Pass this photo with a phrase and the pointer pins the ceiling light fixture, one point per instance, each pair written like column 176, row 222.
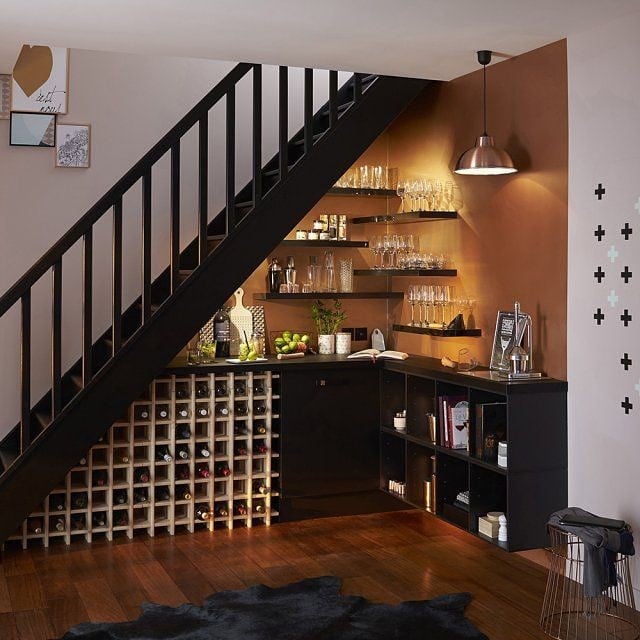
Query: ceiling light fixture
column 484, row 159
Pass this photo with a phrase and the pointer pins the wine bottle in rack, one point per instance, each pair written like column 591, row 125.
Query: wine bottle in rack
column 182, row 412
column 259, row 486
column 122, row 457
column 120, row 496
column 221, row 389
column 240, row 429
column 78, row 523
column 162, row 453
column 183, row 432
column 182, row 472
column 202, row 450
column 240, row 408
column 162, row 494
column 182, row 392
column 221, row 511
column 203, row 513
column 222, row 410
column 202, row 471
column 240, row 509
column 59, row 524
column 120, row 518
column 100, row 478
column 240, row 450
column 260, row 448
column 140, row 495
column 259, row 506
column 202, row 390
column 141, row 474
column 35, row 526
column 259, row 407
column 99, row 520
column 222, row 470
column 202, row 411
column 183, row 493
column 79, row 500
column 162, row 412
column 240, row 388
column 142, row 413
column 259, row 428
column 182, row 452
column 82, row 462
column 258, row 387
column 57, row 502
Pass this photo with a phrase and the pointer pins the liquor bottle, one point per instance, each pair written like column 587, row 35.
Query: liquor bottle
column 182, row 472
column 140, row 495
column 183, row 432
column 203, row 513
column 162, row 453
column 123, row 457
column 259, row 506
column 100, row 478
column 35, row 526
column 260, row 448
column 99, row 520
column 222, row 410
column 202, row 450
column 78, row 523
column 142, row 413
column 120, row 518
column 202, row 411
column 182, row 452
column 57, row 502
column 259, row 407
column 183, row 411
column 240, row 429
column 202, row 470
column 79, row 500
column 240, row 408
column 183, row 493
column 120, row 496
column 258, row 388
column 222, row 333
column 240, row 388
column 260, row 487
column 162, row 412
column 222, row 470
column 274, row 276
column 221, row 389
column 162, row 494
column 260, row 428
column 202, row 390
column 240, row 509
column 221, row 511
column 182, row 393
column 59, row 524
column 141, row 474
column 240, row 450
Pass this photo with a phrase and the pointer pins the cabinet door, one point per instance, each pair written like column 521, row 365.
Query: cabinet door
column 330, row 431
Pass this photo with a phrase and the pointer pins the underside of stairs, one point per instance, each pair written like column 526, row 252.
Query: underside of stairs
column 116, row 367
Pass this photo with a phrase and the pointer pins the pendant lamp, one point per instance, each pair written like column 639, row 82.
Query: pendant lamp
column 484, row 159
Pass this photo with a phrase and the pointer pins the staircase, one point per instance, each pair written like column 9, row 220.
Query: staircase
column 115, row 368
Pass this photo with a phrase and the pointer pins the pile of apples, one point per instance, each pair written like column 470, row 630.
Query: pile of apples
column 290, row 342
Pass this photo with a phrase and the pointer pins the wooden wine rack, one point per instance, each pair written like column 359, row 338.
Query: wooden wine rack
column 134, row 439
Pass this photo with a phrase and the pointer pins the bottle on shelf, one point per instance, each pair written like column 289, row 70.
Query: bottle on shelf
column 202, row 411
column 122, row 457
column 240, row 388
column 260, row 448
column 162, row 494
column 222, row 410
column 259, row 407
column 259, row 506
column 222, row 333
column 78, row 523
column 82, row 462
column 241, row 409
column 162, row 412
column 240, row 429
column 222, row 470
column 120, row 518
column 182, row 411
column 183, row 493
column 202, row 390
column 100, row 478
column 274, row 276
column 260, row 428
column 57, row 502
column 79, row 500
column 59, row 524
column 35, row 526
column 183, row 432
column 141, row 474
column 162, row 453
column 140, row 495
column 182, row 472
column 182, row 452
column 258, row 387
column 182, row 392
column 221, row 511
column 203, row 513
column 221, row 389
column 99, row 520
column 240, row 509
column 240, row 450
column 142, row 413
column 202, row 450
column 202, row 470
column 120, row 496
column 259, row 486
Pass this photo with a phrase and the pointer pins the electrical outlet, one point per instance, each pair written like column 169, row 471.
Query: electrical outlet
column 360, row 334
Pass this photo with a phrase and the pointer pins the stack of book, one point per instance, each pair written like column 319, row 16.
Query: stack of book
column 454, row 421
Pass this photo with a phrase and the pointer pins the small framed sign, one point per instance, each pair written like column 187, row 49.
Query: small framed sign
column 506, row 337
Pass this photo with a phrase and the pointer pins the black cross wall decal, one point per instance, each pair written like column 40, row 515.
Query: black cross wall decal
column 599, row 232
column 598, row 316
column 626, row 317
column 626, row 405
column 600, row 191
column 626, row 231
column 626, row 361
column 626, row 275
column 599, row 274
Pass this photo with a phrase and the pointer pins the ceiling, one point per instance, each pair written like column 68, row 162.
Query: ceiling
column 422, row 38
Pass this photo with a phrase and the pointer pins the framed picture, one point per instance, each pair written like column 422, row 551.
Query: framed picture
column 73, row 144
column 5, row 96
column 506, row 337
column 32, row 129
column 40, row 80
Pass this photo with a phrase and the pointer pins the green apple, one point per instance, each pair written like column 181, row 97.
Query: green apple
column 296, row 337
column 305, row 338
column 286, row 348
column 252, row 355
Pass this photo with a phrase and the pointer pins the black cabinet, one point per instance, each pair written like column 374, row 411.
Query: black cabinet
column 330, row 441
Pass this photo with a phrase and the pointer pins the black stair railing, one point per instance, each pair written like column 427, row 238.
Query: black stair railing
column 112, row 202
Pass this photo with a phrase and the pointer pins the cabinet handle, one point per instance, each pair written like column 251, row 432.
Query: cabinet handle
column 323, row 382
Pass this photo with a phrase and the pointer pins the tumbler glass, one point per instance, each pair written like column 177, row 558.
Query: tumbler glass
column 345, row 270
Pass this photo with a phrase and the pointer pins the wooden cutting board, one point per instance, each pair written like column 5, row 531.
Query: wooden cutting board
column 241, row 322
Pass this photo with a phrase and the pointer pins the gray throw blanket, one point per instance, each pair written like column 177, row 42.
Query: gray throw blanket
column 600, row 548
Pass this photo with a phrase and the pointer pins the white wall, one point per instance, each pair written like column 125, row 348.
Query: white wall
column 130, row 102
column 604, row 139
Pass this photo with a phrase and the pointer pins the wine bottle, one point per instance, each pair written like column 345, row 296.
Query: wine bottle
column 202, row 390
column 260, row 448
column 258, row 388
column 120, row 496
column 240, row 450
column 99, row 520
column 142, row 413
column 260, row 487
column 260, row 407
column 182, row 393
column 79, row 500
column 260, row 428
column 202, row 411
column 221, row 511
column 120, row 518
column 241, row 509
column 202, row 470
column 222, row 333
column 57, row 502
column 182, row 472
column 222, row 409
column 221, row 390
column 203, row 513
column 82, row 462
column 240, row 388
column 183, row 411
column 78, row 523
column 162, row 412
column 162, row 453
column 35, row 526
column 162, row 494
column 100, row 478
column 59, row 524
column 259, row 506
column 141, row 474
column 222, row 470
column 183, row 493
column 140, row 495
column 182, row 452
column 183, row 432
column 241, row 409
column 202, row 450
column 240, row 429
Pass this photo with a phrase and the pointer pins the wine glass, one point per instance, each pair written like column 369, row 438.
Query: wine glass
column 374, row 245
column 412, row 295
column 400, row 192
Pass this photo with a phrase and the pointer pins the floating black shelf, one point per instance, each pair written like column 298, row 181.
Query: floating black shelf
column 442, row 333
column 328, row 296
column 371, row 193
column 405, row 272
column 411, row 216
column 326, row 243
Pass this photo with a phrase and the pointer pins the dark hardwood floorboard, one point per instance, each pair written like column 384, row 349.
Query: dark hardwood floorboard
column 387, row 557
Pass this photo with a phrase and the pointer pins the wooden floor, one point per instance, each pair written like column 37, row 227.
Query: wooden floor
column 388, row 557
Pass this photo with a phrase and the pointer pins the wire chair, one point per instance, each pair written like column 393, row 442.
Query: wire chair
column 567, row 614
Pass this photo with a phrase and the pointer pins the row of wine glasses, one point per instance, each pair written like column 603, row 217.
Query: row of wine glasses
column 395, row 251
column 436, row 305
column 370, row 177
column 428, row 194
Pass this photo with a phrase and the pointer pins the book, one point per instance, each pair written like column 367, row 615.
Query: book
column 453, row 414
column 490, row 428
column 374, row 354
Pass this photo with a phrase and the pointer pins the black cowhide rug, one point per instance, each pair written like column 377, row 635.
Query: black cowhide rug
column 308, row 610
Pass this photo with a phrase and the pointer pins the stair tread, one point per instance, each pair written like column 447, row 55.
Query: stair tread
column 340, row 108
column 244, row 205
column 300, row 142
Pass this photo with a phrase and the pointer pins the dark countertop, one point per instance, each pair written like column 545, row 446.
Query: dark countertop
column 480, row 378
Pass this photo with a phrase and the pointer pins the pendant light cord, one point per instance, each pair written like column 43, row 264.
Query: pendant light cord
column 484, row 98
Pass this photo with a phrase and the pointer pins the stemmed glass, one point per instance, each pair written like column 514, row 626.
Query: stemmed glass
column 400, row 192
column 414, row 297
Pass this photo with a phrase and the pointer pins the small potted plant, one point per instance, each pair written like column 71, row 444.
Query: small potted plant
column 327, row 321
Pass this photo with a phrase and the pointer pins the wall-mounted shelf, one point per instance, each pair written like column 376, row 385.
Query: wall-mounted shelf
column 442, row 333
column 371, row 193
column 326, row 243
column 406, row 272
column 329, row 296
column 411, row 216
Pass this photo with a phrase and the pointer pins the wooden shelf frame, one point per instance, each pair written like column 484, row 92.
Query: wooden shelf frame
column 405, row 218
column 392, row 273
column 323, row 244
column 355, row 295
column 440, row 333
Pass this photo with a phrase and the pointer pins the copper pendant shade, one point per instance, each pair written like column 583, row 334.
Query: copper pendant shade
column 484, row 159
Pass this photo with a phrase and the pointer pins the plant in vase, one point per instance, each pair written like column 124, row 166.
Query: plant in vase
column 327, row 321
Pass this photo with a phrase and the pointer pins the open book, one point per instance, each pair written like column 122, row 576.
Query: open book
column 374, row 354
